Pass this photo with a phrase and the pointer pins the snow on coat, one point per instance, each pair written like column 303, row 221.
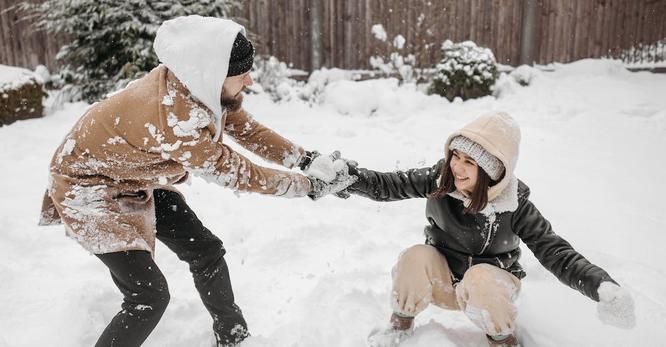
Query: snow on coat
column 151, row 135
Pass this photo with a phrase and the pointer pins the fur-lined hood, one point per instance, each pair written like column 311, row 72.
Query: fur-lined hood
column 498, row 134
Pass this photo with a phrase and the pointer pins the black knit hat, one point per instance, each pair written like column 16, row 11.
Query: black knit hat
column 242, row 56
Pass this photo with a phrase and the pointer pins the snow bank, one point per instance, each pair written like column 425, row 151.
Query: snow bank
column 318, row 273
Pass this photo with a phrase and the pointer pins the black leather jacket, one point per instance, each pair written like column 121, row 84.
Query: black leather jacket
column 466, row 239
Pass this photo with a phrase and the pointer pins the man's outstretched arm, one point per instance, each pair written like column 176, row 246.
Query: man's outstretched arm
column 262, row 141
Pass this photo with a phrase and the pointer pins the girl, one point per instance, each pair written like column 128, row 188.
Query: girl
column 478, row 212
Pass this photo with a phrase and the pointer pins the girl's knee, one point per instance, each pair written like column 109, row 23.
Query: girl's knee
column 420, row 254
column 483, row 273
column 490, row 276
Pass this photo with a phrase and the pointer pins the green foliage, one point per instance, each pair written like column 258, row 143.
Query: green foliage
column 466, row 71
column 111, row 41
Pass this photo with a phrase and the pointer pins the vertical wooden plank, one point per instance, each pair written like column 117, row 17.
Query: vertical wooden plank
column 615, row 27
column 473, row 17
column 553, row 32
column 490, row 7
column 544, row 31
column 606, row 32
column 332, row 33
column 504, row 14
column 593, row 22
column 627, row 23
column 568, row 36
column 576, row 33
column 638, row 39
column 563, row 26
column 542, row 40
column 601, row 28
column 367, row 35
column 514, row 57
column 586, row 30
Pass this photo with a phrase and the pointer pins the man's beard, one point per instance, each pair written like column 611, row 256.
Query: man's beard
column 231, row 103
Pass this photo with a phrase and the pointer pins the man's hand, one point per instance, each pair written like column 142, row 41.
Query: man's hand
column 616, row 306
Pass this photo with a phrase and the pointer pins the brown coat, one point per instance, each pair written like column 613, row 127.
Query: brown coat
column 151, row 135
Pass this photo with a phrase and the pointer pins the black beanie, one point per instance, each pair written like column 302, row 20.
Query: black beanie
column 242, row 56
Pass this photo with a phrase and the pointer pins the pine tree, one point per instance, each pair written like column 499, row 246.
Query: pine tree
column 111, row 40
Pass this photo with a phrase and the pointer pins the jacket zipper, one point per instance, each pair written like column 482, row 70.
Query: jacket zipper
column 490, row 234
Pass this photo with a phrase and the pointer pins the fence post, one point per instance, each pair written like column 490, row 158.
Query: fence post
column 316, row 14
column 528, row 31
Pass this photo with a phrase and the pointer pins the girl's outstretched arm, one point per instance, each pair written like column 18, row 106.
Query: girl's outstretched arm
column 554, row 252
column 398, row 185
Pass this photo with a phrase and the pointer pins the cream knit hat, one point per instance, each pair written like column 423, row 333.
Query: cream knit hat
column 488, row 162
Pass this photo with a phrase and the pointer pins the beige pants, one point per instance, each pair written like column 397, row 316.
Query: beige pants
column 486, row 293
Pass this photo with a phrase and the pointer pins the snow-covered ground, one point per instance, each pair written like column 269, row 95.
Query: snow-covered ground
column 317, row 273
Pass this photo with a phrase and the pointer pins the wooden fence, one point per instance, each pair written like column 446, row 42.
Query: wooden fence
column 517, row 31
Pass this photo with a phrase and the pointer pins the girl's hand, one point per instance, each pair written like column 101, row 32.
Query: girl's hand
column 322, row 167
column 616, row 306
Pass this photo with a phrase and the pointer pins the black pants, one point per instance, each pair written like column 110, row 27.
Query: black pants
column 145, row 290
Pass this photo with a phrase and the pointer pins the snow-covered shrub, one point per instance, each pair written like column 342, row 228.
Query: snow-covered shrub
column 644, row 54
column 21, row 94
column 509, row 82
column 111, row 41
column 466, row 71
column 396, row 62
column 524, row 74
column 314, row 89
column 273, row 77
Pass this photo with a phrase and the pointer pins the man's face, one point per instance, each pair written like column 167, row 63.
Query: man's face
column 234, row 85
column 231, row 97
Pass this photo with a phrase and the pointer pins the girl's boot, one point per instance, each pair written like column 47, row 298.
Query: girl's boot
column 400, row 327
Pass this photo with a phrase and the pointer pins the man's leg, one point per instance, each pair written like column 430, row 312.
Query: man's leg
column 146, row 296
column 180, row 230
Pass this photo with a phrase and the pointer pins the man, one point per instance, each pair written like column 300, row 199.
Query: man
column 112, row 178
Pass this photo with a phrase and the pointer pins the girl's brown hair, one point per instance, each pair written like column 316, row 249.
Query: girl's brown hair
column 479, row 196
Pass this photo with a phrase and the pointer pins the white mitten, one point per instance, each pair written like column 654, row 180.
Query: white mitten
column 616, row 306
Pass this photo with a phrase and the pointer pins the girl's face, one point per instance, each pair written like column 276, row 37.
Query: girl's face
column 465, row 172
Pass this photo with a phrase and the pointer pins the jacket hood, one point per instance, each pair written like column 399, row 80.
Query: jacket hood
column 197, row 50
column 498, row 134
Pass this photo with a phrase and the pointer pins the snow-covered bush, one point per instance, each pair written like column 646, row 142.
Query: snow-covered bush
column 644, row 54
column 396, row 62
column 313, row 91
column 524, row 74
column 466, row 71
column 111, row 41
column 274, row 77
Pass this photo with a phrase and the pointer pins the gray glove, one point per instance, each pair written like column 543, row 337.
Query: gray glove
column 341, row 181
column 352, row 170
